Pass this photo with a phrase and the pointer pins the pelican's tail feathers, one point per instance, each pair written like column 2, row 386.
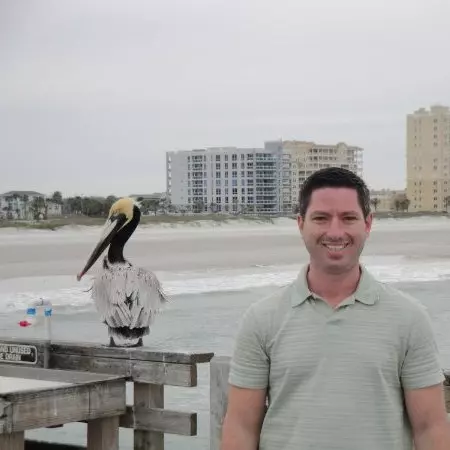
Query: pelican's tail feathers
column 127, row 337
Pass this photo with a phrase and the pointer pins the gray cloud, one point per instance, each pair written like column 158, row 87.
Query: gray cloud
column 93, row 93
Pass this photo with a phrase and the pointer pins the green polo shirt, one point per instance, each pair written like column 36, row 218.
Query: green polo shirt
column 335, row 376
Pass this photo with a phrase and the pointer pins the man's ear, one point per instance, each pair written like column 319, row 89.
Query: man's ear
column 369, row 221
column 300, row 223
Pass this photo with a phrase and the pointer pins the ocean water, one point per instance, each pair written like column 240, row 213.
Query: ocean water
column 212, row 274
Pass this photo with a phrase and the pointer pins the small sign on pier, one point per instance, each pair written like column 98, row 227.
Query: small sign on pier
column 18, row 353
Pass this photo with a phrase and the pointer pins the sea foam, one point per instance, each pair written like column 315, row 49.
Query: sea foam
column 64, row 291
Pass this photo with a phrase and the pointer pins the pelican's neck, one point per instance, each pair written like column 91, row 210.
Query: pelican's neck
column 115, row 252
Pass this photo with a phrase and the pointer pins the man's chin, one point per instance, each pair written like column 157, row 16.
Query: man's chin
column 337, row 264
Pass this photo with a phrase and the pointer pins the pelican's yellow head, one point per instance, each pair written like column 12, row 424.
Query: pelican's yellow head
column 121, row 213
column 124, row 206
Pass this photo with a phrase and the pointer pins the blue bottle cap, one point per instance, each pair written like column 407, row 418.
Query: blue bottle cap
column 31, row 311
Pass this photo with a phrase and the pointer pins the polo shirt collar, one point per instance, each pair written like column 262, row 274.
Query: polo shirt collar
column 366, row 291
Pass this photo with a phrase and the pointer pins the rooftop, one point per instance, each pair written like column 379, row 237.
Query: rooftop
column 434, row 109
column 21, row 193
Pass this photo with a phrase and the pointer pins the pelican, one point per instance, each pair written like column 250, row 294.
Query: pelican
column 127, row 297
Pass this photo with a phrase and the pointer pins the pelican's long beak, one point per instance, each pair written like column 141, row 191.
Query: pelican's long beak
column 111, row 228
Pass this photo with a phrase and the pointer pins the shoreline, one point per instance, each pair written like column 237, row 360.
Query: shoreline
column 84, row 221
column 193, row 220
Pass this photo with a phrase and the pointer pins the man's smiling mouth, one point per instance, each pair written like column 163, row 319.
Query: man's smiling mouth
column 336, row 247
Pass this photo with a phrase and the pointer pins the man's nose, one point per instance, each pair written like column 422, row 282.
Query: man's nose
column 335, row 228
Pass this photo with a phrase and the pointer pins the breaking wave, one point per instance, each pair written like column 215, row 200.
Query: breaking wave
column 65, row 292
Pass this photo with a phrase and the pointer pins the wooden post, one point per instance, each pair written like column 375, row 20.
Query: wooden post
column 148, row 396
column 219, row 370
column 447, row 390
column 103, row 434
column 12, row 441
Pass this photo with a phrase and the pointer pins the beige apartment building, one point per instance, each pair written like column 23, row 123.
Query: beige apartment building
column 428, row 158
column 302, row 158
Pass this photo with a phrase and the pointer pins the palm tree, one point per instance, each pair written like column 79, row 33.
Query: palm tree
column 405, row 204
column 39, row 206
column 213, row 207
column 25, row 200
column 374, row 202
column 198, row 206
column 401, row 203
column 57, row 198
column 447, row 202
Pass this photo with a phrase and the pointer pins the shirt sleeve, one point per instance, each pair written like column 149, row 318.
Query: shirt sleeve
column 249, row 366
column 421, row 366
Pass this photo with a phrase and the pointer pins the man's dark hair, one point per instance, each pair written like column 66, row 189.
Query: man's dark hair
column 334, row 177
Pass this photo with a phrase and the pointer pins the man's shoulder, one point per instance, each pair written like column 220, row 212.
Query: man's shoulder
column 275, row 304
column 399, row 297
column 396, row 300
column 263, row 317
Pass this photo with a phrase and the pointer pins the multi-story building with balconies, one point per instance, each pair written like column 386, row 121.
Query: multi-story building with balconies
column 224, row 179
column 428, row 159
column 261, row 180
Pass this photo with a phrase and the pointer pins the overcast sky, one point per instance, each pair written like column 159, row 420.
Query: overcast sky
column 93, row 93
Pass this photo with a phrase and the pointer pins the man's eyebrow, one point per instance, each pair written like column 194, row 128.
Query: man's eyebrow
column 325, row 213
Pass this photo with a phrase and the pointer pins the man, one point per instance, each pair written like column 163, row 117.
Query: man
column 345, row 361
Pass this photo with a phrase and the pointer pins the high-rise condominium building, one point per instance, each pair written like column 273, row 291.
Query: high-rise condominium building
column 300, row 159
column 226, row 179
column 261, row 180
column 428, row 158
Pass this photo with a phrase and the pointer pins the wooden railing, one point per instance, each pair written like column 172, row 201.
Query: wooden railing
column 149, row 371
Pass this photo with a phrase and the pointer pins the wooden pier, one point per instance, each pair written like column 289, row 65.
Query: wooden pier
column 93, row 373
column 36, row 398
column 149, row 371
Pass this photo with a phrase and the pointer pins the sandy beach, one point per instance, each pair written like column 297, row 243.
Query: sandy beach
column 212, row 274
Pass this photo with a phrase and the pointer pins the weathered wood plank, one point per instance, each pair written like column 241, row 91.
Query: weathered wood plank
column 103, row 434
column 138, row 353
column 102, row 351
column 148, row 396
column 159, row 419
column 42, row 409
column 73, row 376
column 107, row 399
column 219, row 371
column 137, row 364
column 13, row 441
column 135, row 370
column 6, row 413
column 38, row 409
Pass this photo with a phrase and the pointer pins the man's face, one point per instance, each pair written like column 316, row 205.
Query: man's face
column 334, row 229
